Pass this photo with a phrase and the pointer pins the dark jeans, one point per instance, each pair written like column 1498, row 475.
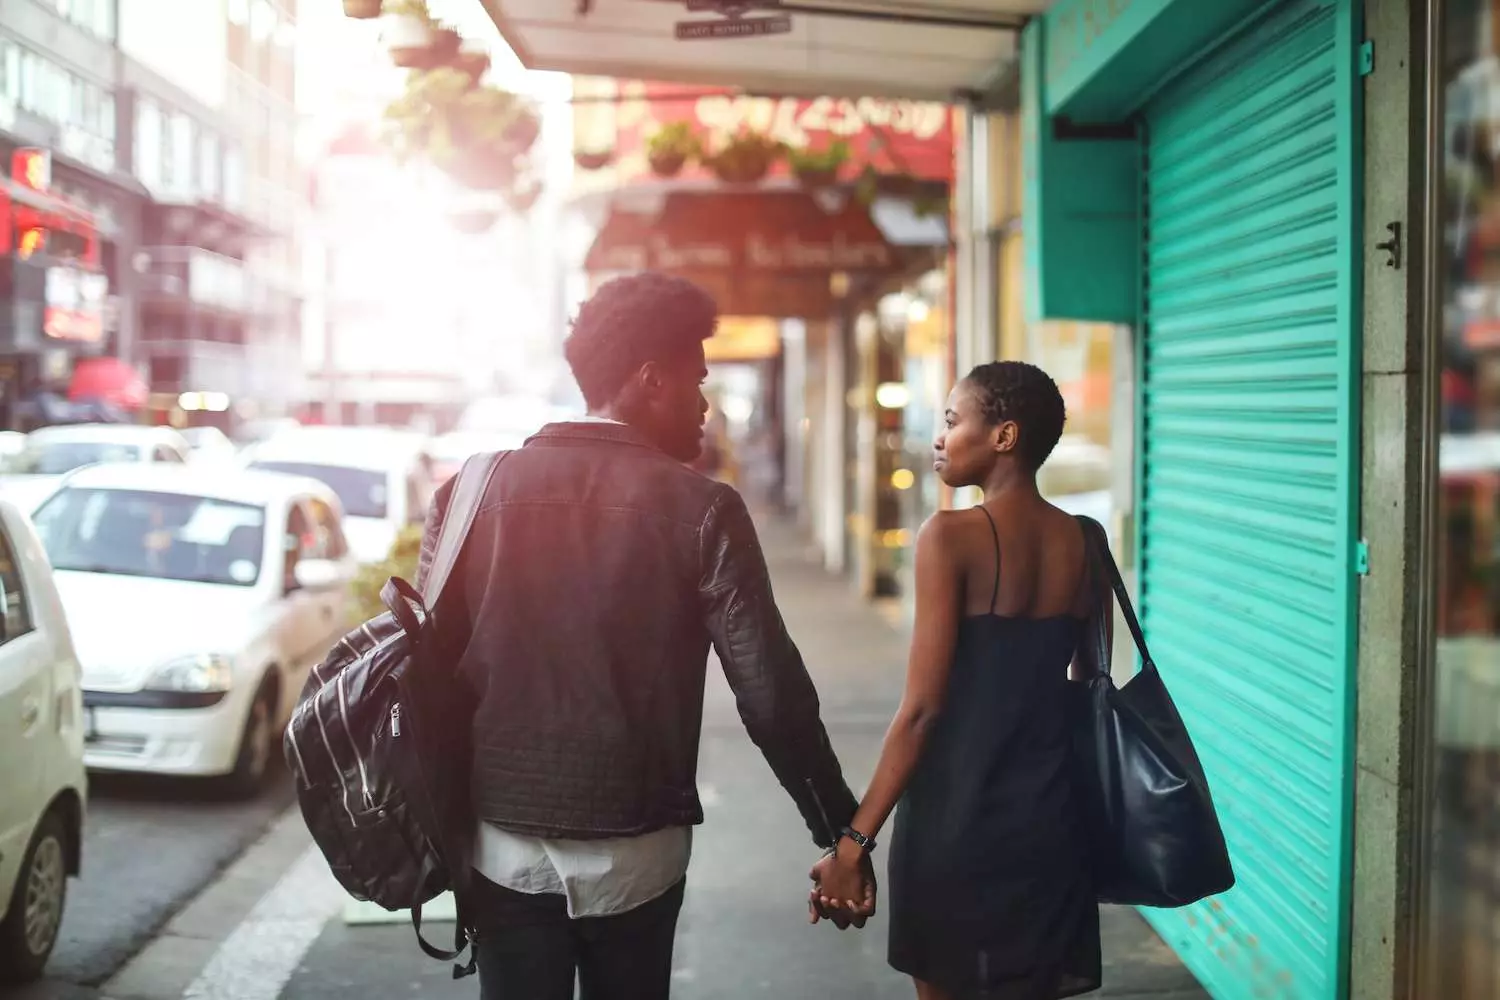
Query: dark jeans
column 529, row 949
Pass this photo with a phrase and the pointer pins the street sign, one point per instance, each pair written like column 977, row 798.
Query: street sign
column 739, row 27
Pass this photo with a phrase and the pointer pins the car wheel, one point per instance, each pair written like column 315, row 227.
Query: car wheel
column 256, row 747
column 30, row 928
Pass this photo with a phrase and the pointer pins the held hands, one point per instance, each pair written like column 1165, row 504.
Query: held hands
column 843, row 887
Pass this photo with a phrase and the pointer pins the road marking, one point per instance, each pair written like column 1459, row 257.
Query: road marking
column 255, row 961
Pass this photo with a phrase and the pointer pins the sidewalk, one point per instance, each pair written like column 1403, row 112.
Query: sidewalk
column 743, row 929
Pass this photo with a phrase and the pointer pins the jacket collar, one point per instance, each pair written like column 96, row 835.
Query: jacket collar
column 607, row 431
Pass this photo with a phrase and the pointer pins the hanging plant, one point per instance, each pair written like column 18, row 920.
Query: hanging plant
column 819, row 168
column 474, row 221
column 472, row 61
column 746, row 158
column 446, row 44
column 477, row 135
column 593, row 159
column 409, row 32
column 672, row 147
column 523, row 197
column 362, row 9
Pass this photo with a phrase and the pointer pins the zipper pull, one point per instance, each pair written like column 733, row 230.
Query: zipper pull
column 396, row 720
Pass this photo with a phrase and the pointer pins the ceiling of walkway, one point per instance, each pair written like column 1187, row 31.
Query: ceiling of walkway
column 854, row 48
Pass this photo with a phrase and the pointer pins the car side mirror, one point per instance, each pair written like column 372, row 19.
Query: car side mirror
column 317, row 574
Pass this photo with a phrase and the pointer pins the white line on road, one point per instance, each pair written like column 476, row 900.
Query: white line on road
column 255, row 961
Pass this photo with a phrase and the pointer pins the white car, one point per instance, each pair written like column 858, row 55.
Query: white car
column 209, row 444
column 382, row 481
column 43, row 786
column 200, row 600
column 31, row 475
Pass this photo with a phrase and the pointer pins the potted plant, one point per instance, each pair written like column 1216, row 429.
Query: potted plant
column 819, row 168
column 522, row 197
column 671, row 147
column 423, row 119
column 363, row 9
column 446, row 43
column 593, row 159
column 473, row 221
column 746, row 158
column 472, row 60
column 408, row 31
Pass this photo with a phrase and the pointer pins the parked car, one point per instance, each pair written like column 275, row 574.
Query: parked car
column 31, row 475
column 209, row 444
column 448, row 452
column 200, row 601
column 43, row 787
column 382, row 480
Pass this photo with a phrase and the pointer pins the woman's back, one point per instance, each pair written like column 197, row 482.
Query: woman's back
column 986, row 846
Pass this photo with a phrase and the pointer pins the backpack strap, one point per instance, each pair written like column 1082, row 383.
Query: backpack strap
column 468, row 493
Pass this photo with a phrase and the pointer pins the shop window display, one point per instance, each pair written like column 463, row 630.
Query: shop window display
column 1461, row 940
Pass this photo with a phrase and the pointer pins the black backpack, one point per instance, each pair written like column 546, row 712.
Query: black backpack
column 380, row 763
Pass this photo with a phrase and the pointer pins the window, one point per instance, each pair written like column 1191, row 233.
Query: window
column 107, row 121
column 234, row 178
column 362, row 492
column 181, row 153
column 148, row 144
column 296, row 545
column 10, row 71
column 166, row 536
column 166, row 453
column 16, row 608
column 208, row 165
column 329, row 535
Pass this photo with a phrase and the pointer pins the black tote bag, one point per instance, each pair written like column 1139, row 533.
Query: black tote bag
column 1152, row 833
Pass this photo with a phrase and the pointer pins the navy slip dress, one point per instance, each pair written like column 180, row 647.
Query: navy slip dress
column 989, row 891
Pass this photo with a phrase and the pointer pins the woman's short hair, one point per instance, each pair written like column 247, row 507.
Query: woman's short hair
column 1016, row 391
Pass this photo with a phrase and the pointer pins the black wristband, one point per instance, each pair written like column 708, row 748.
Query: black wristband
column 865, row 843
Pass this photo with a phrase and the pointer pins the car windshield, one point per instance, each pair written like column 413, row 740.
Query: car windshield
column 54, row 458
column 170, row 536
column 362, row 492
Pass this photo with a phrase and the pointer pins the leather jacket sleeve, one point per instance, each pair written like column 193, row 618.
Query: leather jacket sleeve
column 772, row 689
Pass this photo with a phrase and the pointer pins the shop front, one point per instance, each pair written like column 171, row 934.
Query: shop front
column 1191, row 171
column 53, row 292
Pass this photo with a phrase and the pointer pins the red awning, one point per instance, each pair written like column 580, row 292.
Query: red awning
column 110, row 380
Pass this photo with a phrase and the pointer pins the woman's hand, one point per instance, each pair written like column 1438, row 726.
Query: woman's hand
column 843, row 887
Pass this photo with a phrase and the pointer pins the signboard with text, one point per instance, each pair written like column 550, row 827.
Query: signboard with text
column 892, row 136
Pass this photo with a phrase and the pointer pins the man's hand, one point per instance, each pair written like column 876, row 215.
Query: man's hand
column 843, row 890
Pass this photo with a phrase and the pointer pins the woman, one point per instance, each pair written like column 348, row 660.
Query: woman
column 990, row 896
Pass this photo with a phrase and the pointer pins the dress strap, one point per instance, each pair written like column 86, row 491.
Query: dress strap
column 995, row 592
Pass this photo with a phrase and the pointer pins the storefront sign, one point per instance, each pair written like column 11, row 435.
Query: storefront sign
column 74, row 304
column 891, row 136
column 735, row 27
column 763, row 233
column 32, row 167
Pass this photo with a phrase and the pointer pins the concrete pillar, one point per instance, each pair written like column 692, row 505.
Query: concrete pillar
column 1394, row 492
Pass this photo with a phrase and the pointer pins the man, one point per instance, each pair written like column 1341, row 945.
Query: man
column 596, row 576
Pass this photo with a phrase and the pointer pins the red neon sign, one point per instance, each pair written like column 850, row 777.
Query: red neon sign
column 32, row 167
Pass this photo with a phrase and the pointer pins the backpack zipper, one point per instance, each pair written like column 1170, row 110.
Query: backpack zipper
column 396, row 720
column 364, row 779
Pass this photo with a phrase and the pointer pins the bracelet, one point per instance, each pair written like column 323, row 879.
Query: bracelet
column 865, row 843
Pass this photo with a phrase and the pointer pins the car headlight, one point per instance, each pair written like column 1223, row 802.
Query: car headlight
column 204, row 673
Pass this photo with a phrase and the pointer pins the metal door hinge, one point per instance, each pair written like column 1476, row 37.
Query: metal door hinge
column 1392, row 246
column 1367, row 59
column 1362, row 557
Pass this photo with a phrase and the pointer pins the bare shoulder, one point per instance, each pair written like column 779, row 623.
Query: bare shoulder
column 946, row 531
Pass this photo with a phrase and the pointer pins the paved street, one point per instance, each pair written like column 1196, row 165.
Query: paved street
column 273, row 928
column 149, row 847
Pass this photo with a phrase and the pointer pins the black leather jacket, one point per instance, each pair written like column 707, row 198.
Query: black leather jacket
column 596, row 576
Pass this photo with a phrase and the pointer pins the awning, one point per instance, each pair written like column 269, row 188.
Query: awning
column 108, row 380
column 760, row 253
column 925, row 49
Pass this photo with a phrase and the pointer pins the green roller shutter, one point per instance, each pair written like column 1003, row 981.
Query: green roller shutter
column 1248, row 479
